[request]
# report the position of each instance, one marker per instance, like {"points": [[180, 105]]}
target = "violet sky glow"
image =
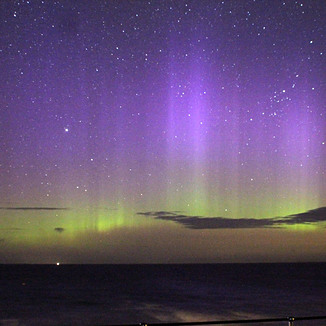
{"points": [[121, 110]]}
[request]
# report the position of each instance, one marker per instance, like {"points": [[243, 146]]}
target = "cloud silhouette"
{"points": [[312, 216], [202, 222], [59, 230], [35, 208]]}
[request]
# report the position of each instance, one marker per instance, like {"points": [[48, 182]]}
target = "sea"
{"points": [[133, 294]]}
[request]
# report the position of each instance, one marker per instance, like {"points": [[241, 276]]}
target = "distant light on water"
{"points": [[58, 263]]}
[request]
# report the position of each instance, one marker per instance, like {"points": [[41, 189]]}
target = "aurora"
{"points": [[128, 128]]}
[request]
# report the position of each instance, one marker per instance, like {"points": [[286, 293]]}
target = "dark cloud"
{"points": [[312, 216], [35, 208], [201, 222], [60, 230]]}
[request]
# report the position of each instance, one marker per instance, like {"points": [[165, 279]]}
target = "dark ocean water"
{"points": [[117, 294]]}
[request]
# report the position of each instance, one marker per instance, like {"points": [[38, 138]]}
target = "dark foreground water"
{"points": [[112, 294]]}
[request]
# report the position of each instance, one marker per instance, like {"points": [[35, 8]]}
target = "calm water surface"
{"points": [[113, 294]]}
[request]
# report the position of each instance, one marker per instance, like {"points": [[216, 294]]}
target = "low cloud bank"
{"points": [[202, 222]]}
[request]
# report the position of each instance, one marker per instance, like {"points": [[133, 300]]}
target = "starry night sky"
{"points": [[162, 131]]}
